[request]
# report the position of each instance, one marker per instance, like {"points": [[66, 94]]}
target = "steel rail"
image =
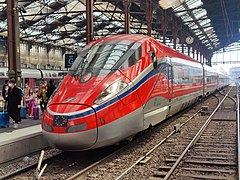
{"points": [[230, 97], [196, 137], [160, 143], [94, 164], [141, 158], [238, 134], [28, 167]]}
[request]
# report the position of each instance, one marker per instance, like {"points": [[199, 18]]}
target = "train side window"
{"points": [[133, 59], [175, 75], [178, 74], [166, 69], [138, 53]]}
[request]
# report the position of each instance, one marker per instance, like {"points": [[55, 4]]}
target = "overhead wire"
{"points": [[226, 21]]}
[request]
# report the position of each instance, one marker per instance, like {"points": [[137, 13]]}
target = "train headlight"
{"points": [[111, 91], [47, 127], [77, 127]]}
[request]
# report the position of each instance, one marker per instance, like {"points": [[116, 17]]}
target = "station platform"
{"points": [[21, 141]]}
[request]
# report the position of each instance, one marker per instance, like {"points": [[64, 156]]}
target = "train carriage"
{"points": [[119, 86], [34, 76]]}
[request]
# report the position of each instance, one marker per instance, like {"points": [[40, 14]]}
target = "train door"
{"points": [[157, 107], [170, 79]]}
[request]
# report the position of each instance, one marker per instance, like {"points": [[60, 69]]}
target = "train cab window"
{"points": [[99, 59]]}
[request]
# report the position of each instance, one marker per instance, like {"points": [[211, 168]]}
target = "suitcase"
{"points": [[35, 112], [23, 112], [31, 103], [4, 119]]}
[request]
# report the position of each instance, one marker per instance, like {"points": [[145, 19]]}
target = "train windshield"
{"points": [[100, 59]]}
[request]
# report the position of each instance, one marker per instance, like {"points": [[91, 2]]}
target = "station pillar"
{"points": [[127, 5], [149, 13], [174, 31], [14, 65], [89, 17], [164, 25]]}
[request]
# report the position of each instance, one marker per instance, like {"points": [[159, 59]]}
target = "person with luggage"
{"points": [[4, 117], [31, 102], [5, 93], [4, 89], [26, 91], [14, 99]]}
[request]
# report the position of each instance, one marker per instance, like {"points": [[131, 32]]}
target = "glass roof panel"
{"points": [[200, 14], [2, 4], [67, 27], [196, 19], [61, 20], [193, 3]]}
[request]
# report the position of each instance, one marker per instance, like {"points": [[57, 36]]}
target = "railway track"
{"points": [[120, 164], [142, 158], [209, 153], [115, 168], [63, 165], [212, 153]]}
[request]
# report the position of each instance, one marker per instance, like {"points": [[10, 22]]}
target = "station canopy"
{"points": [[211, 24]]}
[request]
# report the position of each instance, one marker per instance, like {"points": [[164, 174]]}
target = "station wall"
{"points": [[32, 56]]}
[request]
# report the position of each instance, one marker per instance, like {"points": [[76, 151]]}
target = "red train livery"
{"points": [[119, 86]]}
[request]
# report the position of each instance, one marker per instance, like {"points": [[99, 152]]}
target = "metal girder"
{"points": [[114, 9], [223, 14], [127, 5], [200, 27], [14, 67]]}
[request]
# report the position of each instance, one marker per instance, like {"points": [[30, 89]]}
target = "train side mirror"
{"points": [[154, 59]]}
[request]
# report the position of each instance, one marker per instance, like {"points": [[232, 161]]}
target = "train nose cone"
{"points": [[74, 130]]}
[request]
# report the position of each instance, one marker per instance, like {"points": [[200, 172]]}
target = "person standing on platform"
{"points": [[51, 88], [31, 101], [14, 99], [42, 95], [5, 93], [26, 91], [4, 89], [26, 95]]}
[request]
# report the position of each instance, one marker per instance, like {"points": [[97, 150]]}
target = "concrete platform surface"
{"points": [[19, 142]]}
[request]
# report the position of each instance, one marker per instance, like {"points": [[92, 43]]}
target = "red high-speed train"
{"points": [[121, 85]]}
